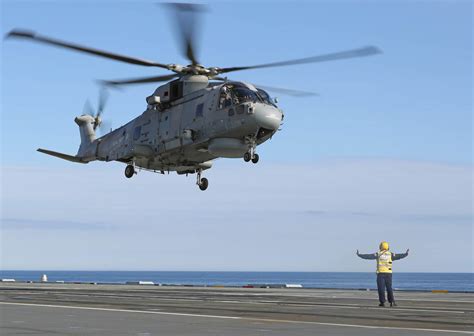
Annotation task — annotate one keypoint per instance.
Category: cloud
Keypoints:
(306, 217)
(429, 218)
(33, 224)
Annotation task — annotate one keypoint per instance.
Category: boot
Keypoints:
(382, 304)
(393, 304)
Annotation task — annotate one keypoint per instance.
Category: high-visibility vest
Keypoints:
(384, 262)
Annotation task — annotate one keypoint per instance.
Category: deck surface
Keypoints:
(69, 309)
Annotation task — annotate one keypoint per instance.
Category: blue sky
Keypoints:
(384, 150)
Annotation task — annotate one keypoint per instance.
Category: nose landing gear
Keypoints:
(202, 183)
(251, 155)
(255, 158)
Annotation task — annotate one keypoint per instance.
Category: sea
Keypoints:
(462, 282)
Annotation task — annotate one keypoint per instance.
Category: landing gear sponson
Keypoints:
(202, 182)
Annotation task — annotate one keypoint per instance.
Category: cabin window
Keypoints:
(176, 90)
(199, 110)
(137, 133)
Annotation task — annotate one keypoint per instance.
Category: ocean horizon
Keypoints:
(462, 282)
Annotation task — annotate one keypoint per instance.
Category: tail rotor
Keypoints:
(102, 125)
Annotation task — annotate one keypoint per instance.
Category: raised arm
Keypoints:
(398, 256)
(366, 256)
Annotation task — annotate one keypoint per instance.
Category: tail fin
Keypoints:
(86, 125)
(87, 149)
(62, 156)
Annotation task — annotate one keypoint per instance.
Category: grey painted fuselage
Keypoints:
(186, 132)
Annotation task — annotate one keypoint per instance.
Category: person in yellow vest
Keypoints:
(384, 259)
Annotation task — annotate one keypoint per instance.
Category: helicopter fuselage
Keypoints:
(186, 133)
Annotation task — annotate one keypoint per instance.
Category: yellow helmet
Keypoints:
(383, 246)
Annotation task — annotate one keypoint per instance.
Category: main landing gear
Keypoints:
(202, 183)
(251, 155)
(129, 171)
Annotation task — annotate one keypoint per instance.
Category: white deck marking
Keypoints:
(256, 319)
(414, 310)
(259, 302)
(378, 308)
(398, 298)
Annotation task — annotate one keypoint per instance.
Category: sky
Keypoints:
(383, 153)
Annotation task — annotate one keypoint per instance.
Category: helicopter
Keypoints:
(194, 118)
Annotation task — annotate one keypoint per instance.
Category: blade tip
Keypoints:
(374, 50)
(184, 6)
(308, 94)
(104, 83)
(21, 33)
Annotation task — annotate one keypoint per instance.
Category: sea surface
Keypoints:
(342, 280)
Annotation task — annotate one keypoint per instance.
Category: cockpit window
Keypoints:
(242, 94)
(225, 98)
(265, 97)
(234, 94)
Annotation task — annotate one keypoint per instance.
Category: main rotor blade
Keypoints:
(30, 35)
(141, 80)
(361, 52)
(187, 23)
(289, 92)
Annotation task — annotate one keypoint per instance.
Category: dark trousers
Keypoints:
(384, 280)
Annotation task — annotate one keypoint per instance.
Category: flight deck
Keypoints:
(91, 309)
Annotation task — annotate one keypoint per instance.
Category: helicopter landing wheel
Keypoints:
(247, 157)
(255, 158)
(203, 184)
(129, 171)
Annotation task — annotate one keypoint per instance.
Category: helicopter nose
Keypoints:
(267, 116)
